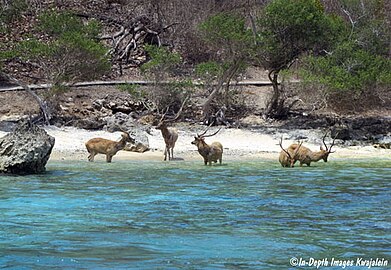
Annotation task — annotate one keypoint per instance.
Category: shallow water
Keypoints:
(184, 215)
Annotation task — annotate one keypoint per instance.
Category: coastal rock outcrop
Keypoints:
(26, 150)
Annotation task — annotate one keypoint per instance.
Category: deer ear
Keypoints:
(321, 148)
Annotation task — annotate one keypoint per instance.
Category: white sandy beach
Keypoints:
(239, 144)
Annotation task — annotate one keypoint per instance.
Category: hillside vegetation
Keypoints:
(328, 56)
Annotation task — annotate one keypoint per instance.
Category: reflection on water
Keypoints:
(181, 215)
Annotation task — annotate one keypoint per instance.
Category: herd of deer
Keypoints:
(210, 152)
(298, 152)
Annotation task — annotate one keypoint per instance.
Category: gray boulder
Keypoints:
(121, 121)
(26, 150)
(137, 147)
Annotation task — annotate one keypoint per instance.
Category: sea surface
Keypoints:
(184, 215)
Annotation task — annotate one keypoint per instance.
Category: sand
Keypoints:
(239, 144)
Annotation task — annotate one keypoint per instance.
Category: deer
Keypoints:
(210, 153)
(107, 147)
(305, 156)
(287, 158)
(170, 134)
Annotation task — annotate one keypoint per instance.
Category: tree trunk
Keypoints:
(224, 83)
(273, 104)
(41, 103)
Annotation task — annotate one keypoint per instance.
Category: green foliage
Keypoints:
(371, 25)
(72, 52)
(358, 63)
(225, 29)
(228, 34)
(56, 24)
(209, 70)
(162, 60)
(348, 69)
(161, 66)
(33, 48)
(65, 24)
(289, 28)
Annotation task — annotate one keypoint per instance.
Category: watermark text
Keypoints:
(334, 262)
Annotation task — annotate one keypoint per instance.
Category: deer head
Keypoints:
(164, 120)
(200, 138)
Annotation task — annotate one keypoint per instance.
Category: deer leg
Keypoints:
(165, 154)
(205, 161)
(220, 160)
(172, 153)
(169, 153)
(108, 158)
(91, 157)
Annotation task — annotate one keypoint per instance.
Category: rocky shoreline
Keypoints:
(239, 143)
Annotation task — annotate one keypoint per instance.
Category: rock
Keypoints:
(26, 150)
(148, 119)
(7, 126)
(341, 133)
(252, 121)
(92, 123)
(138, 147)
(140, 135)
(121, 122)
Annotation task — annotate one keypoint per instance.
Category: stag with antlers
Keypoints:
(288, 158)
(305, 156)
(210, 153)
(170, 134)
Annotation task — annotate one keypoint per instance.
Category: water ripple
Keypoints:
(257, 215)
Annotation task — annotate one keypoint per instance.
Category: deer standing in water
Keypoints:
(170, 135)
(305, 156)
(210, 153)
(288, 158)
(108, 147)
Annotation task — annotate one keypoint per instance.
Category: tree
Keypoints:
(69, 52)
(286, 29)
(168, 90)
(228, 35)
(356, 72)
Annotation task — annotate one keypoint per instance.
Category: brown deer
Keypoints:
(108, 147)
(288, 159)
(170, 135)
(305, 156)
(210, 153)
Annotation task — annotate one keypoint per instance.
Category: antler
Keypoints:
(325, 145)
(332, 144)
(210, 135)
(297, 149)
(280, 143)
(164, 114)
(202, 135)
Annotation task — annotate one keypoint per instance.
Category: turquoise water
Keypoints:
(184, 215)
